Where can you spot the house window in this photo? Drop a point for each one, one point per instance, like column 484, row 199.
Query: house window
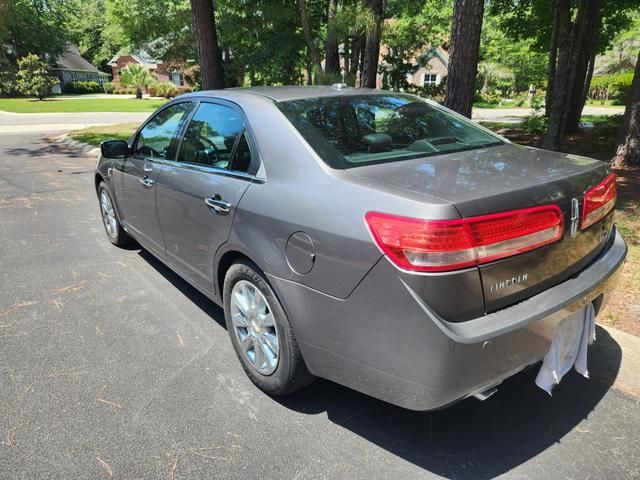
column 430, row 79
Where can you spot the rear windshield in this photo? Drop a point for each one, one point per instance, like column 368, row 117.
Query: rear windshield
column 357, row 130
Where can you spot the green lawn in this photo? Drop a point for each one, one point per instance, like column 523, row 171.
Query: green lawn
column 493, row 106
column 607, row 104
column 53, row 105
column 96, row 135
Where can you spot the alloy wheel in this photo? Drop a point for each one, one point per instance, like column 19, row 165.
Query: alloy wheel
column 108, row 215
column 255, row 327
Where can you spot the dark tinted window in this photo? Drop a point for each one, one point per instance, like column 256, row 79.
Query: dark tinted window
column 357, row 130
column 242, row 156
column 156, row 138
column 211, row 137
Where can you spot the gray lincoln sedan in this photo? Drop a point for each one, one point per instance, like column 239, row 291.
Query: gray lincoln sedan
column 372, row 238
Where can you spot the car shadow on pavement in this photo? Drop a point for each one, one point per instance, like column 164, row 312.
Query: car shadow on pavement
column 468, row 440
column 198, row 299
column 471, row 439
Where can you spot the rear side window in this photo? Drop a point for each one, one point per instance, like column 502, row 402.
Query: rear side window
column 354, row 130
column 157, row 139
column 215, row 137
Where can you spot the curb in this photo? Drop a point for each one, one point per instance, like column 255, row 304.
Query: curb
column 619, row 369
column 66, row 140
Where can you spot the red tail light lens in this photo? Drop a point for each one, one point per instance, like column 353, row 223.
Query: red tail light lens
column 442, row 245
column 599, row 201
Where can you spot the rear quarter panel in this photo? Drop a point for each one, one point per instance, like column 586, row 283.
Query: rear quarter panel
column 301, row 194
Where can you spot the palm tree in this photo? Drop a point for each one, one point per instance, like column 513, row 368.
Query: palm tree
column 137, row 77
column 490, row 72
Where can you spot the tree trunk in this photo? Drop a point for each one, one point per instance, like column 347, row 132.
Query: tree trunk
column 463, row 55
column 331, row 56
column 139, row 93
column 209, row 55
column 587, row 28
column 628, row 152
column 553, row 58
column 309, row 73
column 363, row 42
column 557, row 110
column 587, row 84
column 312, row 49
column 354, row 59
column 372, row 45
column 346, row 57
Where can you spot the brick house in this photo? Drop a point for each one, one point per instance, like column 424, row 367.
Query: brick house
column 435, row 69
column 162, row 71
column 433, row 66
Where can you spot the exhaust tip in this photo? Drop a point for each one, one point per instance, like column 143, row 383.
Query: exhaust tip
column 482, row 396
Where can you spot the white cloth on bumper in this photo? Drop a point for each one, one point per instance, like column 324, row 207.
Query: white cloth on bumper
column 568, row 348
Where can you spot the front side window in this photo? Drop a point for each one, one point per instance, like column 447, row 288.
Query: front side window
column 214, row 135
column 157, row 138
column 356, row 130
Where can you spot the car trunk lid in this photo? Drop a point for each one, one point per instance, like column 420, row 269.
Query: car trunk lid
column 504, row 178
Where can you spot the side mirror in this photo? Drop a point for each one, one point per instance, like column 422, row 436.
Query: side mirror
column 114, row 149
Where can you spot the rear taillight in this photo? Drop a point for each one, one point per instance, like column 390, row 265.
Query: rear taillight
column 599, row 201
column 441, row 245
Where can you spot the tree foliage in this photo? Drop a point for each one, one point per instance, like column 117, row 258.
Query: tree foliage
column 34, row 26
column 137, row 77
column 410, row 37
column 519, row 56
column 32, row 78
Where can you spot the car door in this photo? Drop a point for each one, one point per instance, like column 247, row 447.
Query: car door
column 135, row 177
column 197, row 195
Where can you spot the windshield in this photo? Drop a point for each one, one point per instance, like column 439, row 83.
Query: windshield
column 356, row 130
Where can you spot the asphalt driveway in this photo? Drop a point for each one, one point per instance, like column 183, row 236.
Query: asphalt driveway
column 113, row 367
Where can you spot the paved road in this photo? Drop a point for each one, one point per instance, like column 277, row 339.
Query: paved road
column 111, row 366
column 22, row 123
column 47, row 123
column 516, row 114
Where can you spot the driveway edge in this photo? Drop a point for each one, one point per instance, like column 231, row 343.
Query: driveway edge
column 69, row 142
column 618, row 369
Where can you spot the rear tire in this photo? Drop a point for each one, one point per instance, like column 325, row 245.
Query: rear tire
column 254, row 319
column 110, row 219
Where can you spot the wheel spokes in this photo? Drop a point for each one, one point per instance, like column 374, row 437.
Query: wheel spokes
column 255, row 327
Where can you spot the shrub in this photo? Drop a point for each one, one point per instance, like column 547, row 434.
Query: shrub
column 521, row 100
column 136, row 77
column 535, row 124
column 82, row 87
column 611, row 87
column 108, row 87
column 166, row 90
column 32, row 77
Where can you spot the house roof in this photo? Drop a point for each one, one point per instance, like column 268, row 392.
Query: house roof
column 140, row 56
column 72, row 60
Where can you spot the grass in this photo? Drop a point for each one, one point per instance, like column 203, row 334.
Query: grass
column 505, row 104
column 606, row 104
column 56, row 105
column 96, row 135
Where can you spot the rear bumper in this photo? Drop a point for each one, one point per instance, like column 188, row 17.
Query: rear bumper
column 384, row 341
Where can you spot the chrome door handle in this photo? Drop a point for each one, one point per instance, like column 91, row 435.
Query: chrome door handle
column 146, row 182
column 217, row 204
